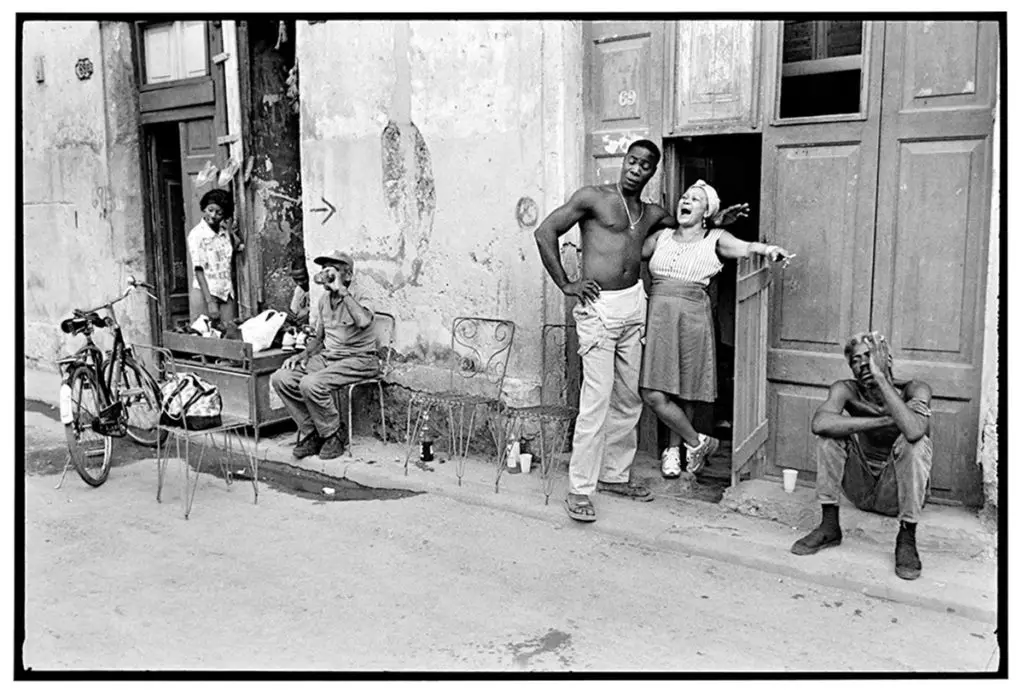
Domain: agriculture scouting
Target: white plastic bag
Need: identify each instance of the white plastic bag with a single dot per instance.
(260, 331)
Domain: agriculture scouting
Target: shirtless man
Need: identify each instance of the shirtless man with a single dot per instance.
(878, 453)
(610, 315)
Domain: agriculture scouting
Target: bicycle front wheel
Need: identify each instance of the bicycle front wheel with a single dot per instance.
(89, 451)
(140, 396)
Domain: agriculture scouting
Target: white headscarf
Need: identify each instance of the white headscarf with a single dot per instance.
(714, 203)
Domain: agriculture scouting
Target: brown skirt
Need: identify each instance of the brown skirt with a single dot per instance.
(679, 356)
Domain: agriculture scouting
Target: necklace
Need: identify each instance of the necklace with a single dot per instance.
(629, 217)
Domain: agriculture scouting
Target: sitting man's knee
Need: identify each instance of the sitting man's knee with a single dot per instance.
(829, 443)
(311, 386)
(280, 377)
(922, 448)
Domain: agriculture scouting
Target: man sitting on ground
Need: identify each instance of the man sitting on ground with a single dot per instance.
(342, 352)
(878, 454)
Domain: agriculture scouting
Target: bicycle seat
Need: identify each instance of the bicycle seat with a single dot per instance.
(92, 317)
(73, 325)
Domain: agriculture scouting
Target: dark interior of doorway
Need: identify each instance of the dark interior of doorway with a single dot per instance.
(732, 165)
(167, 212)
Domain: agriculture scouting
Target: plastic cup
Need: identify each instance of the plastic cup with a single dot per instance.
(788, 479)
(525, 462)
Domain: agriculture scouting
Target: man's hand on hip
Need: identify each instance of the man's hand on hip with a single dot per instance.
(585, 290)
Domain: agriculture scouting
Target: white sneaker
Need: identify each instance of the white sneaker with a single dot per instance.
(697, 456)
(671, 464)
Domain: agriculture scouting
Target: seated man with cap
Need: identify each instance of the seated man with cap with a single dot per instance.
(343, 351)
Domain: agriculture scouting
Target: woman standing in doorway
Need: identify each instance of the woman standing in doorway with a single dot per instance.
(679, 357)
(211, 247)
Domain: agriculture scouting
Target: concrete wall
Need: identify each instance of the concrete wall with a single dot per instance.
(274, 144)
(988, 437)
(442, 145)
(83, 212)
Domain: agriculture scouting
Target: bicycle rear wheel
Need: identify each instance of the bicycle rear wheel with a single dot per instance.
(89, 451)
(141, 399)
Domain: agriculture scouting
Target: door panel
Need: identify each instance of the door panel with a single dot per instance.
(716, 75)
(750, 400)
(624, 62)
(822, 213)
(198, 147)
(794, 444)
(623, 87)
(931, 251)
(819, 178)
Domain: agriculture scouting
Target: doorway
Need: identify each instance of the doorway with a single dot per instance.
(732, 165)
(168, 220)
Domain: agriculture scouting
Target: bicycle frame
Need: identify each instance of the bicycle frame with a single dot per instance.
(92, 355)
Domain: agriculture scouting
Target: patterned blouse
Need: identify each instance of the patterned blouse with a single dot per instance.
(212, 251)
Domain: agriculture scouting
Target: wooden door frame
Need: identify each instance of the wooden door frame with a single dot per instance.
(185, 100)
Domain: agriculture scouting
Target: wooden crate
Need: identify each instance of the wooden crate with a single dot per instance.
(242, 376)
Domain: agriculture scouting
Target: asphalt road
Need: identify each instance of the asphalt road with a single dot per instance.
(115, 580)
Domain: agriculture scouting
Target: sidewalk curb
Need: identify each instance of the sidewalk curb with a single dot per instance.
(942, 597)
(624, 521)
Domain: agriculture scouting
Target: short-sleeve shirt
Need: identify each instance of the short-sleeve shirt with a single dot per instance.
(211, 251)
(342, 337)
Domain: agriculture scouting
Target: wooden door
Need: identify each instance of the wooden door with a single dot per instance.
(624, 85)
(198, 147)
(171, 258)
(716, 74)
(931, 246)
(818, 188)
(750, 389)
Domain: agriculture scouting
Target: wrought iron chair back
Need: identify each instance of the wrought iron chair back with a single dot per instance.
(480, 351)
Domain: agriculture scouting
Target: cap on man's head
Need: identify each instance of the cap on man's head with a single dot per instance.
(335, 256)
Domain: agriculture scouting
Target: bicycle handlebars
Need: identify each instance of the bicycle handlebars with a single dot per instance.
(132, 285)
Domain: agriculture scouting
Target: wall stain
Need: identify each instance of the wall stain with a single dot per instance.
(411, 199)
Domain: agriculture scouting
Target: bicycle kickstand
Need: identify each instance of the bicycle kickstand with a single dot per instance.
(67, 465)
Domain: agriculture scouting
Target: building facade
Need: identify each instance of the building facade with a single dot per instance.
(431, 150)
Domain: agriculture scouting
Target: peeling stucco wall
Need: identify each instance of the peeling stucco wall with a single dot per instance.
(82, 197)
(442, 145)
(276, 181)
(988, 438)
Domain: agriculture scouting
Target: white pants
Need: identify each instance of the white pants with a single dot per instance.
(611, 331)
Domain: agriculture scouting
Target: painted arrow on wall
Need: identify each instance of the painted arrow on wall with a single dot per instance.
(330, 209)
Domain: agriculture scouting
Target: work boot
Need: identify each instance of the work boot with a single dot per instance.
(826, 535)
(309, 445)
(334, 446)
(908, 563)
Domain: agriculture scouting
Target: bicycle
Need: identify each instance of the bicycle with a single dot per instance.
(103, 397)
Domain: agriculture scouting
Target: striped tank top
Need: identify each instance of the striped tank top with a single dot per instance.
(695, 262)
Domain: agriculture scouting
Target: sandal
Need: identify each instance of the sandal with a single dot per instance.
(629, 490)
(580, 508)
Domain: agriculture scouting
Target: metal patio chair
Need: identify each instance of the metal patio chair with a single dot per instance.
(553, 416)
(480, 350)
(230, 428)
(384, 329)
